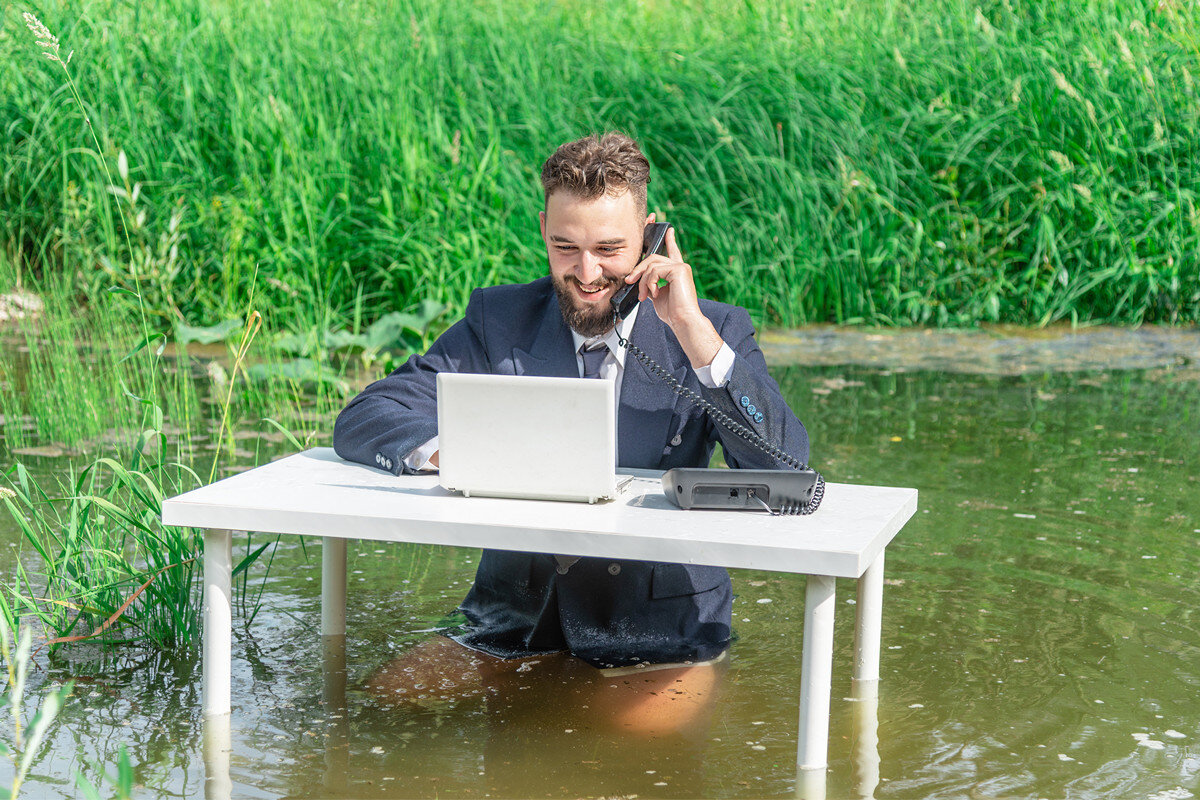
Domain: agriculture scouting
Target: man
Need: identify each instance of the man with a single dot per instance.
(610, 613)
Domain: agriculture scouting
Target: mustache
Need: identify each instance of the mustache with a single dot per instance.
(603, 283)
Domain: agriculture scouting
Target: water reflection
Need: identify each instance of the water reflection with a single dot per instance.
(546, 726)
(218, 747)
(865, 741)
(333, 699)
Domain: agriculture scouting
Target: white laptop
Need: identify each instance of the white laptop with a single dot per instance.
(528, 437)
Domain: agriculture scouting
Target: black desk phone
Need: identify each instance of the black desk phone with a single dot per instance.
(795, 491)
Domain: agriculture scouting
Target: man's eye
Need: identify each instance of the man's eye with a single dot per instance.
(564, 248)
(608, 251)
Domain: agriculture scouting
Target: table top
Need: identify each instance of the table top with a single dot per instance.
(316, 493)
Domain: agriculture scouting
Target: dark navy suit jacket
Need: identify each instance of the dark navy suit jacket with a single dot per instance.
(610, 612)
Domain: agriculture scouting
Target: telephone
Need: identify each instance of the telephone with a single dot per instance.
(654, 242)
(798, 491)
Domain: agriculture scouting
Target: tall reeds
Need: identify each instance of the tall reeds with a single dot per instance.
(107, 568)
(857, 162)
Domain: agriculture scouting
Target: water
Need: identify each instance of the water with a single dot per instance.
(1040, 629)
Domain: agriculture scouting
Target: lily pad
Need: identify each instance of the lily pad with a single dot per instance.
(302, 370)
(43, 451)
(213, 333)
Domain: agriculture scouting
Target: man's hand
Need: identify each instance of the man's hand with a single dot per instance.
(676, 303)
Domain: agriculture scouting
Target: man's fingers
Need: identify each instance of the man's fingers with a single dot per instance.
(645, 281)
(660, 270)
(640, 273)
(673, 251)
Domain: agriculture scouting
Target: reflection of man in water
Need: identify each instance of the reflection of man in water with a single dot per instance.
(673, 619)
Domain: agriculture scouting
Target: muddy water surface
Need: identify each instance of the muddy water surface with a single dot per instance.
(1041, 637)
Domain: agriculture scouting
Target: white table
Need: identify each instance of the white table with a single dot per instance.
(315, 493)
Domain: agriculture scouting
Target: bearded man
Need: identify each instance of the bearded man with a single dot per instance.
(612, 614)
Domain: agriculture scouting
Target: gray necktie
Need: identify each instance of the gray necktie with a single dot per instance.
(593, 358)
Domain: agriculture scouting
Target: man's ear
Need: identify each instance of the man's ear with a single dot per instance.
(542, 225)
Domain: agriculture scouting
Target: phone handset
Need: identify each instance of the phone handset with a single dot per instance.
(654, 241)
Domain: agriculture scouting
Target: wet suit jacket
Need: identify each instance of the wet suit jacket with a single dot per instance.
(609, 612)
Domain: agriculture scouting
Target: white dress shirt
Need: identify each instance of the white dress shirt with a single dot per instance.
(713, 375)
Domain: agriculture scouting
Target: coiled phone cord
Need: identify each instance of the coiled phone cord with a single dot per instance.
(736, 427)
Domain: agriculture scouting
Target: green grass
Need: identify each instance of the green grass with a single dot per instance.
(927, 162)
(106, 565)
(84, 380)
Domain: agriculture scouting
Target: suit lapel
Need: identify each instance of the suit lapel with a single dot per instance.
(553, 352)
(647, 402)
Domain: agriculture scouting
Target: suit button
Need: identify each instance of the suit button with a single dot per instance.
(745, 401)
(389, 463)
(614, 568)
(561, 570)
(751, 409)
(758, 417)
(676, 441)
(378, 459)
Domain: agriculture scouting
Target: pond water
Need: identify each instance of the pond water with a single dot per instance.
(1040, 637)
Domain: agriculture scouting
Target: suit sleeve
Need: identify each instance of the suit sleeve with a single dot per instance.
(752, 397)
(396, 415)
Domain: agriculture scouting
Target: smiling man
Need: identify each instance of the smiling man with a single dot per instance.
(610, 613)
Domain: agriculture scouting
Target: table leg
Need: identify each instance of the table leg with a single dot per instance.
(217, 665)
(217, 748)
(816, 673)
(333, 586)
(868, 629)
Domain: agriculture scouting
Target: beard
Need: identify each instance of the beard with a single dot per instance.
(587, 321)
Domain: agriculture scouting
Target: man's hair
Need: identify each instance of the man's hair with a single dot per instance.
(598, 165)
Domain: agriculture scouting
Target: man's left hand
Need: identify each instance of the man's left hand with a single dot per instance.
(676, 303)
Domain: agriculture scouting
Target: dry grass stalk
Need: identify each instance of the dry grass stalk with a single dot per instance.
(46, 40)
(1064, 85)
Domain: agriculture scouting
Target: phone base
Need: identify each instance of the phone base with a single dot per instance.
(776, 491)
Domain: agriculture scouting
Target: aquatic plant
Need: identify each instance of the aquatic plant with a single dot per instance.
(108, 569)
(75, 385)
(384, 344)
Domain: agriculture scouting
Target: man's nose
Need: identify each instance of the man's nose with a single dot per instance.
(588, 270)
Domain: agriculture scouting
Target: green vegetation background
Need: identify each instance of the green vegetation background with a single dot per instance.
(915, 162)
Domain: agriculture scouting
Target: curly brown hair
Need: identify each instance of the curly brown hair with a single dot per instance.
(597, 165)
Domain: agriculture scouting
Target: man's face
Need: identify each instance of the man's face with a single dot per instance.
(591, 244)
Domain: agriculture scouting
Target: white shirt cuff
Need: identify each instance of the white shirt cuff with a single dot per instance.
(716, 374)
(419, 459)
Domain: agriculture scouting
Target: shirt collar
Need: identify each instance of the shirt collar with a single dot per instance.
(610, 338)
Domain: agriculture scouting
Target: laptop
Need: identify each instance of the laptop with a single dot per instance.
(528, 437)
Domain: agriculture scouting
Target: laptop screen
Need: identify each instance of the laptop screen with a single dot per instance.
(523, 436)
